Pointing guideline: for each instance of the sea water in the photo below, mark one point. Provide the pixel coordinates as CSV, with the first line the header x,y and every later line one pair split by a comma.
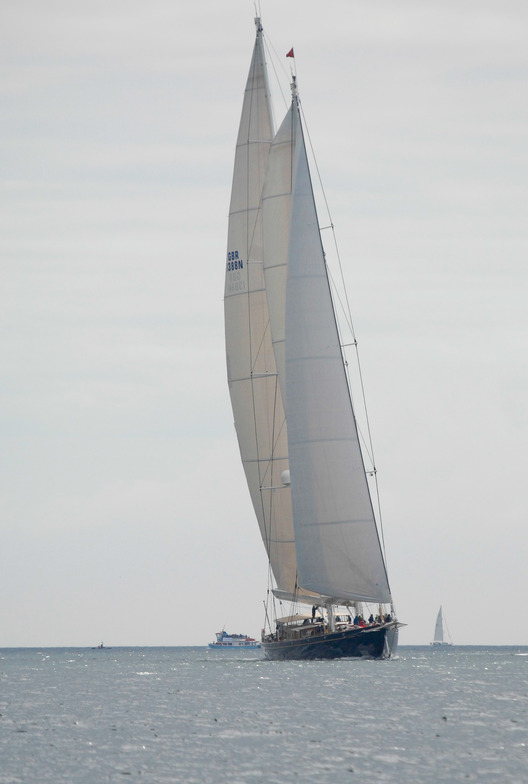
x,y
156,715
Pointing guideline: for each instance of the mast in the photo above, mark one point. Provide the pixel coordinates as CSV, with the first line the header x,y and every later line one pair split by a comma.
x,y
256,398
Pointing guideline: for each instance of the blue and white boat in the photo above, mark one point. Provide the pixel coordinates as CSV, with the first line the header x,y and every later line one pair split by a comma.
x,y
238,641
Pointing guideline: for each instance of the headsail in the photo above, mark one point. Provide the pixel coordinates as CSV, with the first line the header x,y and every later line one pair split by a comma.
x,y
252,374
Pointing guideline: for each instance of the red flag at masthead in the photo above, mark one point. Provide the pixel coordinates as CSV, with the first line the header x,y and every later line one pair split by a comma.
x,y
290,53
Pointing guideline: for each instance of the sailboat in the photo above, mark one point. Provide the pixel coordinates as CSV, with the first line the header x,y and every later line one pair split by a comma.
x,y
439,630
293,415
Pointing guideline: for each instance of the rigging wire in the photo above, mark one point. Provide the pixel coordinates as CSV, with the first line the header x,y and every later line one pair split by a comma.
x,y
274,58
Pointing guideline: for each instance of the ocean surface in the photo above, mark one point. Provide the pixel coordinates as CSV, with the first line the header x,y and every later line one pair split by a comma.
x,y
193,715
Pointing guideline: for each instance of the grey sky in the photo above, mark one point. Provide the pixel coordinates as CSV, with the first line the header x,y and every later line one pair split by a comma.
x,y
125,515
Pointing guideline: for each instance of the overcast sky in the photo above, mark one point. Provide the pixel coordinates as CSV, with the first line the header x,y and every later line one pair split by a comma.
x,y
124,511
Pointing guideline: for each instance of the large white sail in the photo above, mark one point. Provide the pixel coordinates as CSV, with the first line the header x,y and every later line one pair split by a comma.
x,y
439,627
252,374
337,544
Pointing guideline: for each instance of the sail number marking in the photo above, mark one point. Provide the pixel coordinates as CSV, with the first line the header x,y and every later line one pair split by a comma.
x,y
233,261
235,282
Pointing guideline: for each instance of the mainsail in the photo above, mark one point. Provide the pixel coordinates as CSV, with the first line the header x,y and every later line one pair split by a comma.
x,y
276,211
252,373
337,545
439,627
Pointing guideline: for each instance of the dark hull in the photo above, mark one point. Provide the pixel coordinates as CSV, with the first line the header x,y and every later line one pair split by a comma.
x,y
368,643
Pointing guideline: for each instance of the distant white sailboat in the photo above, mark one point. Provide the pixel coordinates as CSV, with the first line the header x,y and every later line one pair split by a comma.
x,y
439,630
